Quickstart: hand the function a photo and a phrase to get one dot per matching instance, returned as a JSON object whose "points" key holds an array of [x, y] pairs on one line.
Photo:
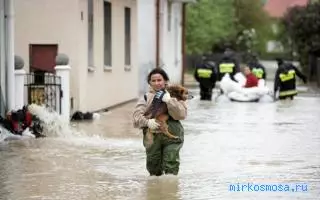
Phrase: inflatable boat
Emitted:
{"points": [[236, 91]]}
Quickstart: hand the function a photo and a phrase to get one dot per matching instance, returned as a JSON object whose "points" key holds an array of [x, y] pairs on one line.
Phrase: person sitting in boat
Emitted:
{"points": [[252, 80]]}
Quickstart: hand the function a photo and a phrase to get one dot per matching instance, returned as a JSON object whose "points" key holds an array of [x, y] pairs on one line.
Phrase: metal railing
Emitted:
{"points": [[43, 89]]}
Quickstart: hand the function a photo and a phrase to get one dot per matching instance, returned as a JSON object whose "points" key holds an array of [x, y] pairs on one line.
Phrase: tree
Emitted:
{"points": [[253, 25], [303, 28], [212, 22], [208, 22]]}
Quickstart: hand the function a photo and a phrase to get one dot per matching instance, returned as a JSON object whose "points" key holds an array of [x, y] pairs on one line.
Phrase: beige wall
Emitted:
{"points": [[59, 22], [52, 22], [109, 87]]}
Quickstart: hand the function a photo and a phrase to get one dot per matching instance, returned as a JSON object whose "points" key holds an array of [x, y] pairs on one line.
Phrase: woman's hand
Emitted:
{"points": [[162, 96], [166, 97], [152, 124]]}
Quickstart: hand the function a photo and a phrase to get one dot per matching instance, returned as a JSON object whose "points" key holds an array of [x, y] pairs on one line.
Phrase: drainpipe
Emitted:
{"points": [[2, 47], [3, 97], [183, 42], [9, 12], [157, 33]]}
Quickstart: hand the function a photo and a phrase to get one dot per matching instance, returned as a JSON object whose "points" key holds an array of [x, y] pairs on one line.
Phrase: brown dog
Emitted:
{"points": [[161, 116]]}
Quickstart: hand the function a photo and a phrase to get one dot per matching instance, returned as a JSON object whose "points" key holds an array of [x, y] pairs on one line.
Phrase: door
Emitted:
{"points": [[43, 57], [42, 88]]}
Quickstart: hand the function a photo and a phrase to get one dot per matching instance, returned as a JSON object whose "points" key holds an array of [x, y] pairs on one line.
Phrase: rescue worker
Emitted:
{"points": [[285, 80], [252, 80], [163, 154], [257, 68], [228, 64], [206, 74]]}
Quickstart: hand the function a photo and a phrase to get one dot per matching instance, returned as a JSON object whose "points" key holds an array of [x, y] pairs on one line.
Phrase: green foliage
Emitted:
{"points": [[250, 15], [303, 28], [303, 25], [212, 22], [208, 22]]}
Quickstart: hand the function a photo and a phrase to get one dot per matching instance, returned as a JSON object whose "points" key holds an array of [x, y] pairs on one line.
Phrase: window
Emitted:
{"points": [[169, 15], [90, 33], [107, 33], [127, 42]]}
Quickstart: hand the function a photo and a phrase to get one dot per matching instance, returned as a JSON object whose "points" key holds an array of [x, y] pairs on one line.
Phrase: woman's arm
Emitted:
{"points": [[177, 109], [139, 120]]}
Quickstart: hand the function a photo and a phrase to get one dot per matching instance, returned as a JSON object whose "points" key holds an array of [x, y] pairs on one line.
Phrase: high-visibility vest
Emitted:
{"points": [[226, 67], [258, 72], [204, 73], [288, 76]]}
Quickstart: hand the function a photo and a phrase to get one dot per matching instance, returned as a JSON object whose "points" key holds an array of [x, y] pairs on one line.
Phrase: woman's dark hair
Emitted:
{"points": [[158, 71]]}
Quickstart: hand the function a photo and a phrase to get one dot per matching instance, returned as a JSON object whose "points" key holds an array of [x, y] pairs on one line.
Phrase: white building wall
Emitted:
{"points": [[147, 41], [171, 40], [64, 22], [52, 22], [170, 36], [110, 85]]}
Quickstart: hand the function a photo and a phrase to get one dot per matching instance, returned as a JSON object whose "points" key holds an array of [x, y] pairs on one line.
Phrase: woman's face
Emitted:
{"points": [[157, 82]]}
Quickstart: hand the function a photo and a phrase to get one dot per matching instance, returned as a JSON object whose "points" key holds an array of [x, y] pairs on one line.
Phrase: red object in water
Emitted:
{"points": [[252, 81], [15, 126], [19, 126], [28, 119]]}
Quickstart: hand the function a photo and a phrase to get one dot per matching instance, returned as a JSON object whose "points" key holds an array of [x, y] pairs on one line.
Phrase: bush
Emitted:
{"points": [[303, 27]]}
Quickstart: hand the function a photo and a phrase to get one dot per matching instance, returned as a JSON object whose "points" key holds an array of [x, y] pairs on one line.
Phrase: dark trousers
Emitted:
{"points": [[205, 93]]}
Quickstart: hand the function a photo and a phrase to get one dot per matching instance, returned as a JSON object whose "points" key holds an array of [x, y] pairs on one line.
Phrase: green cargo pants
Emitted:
{"points": [[163, 154]]}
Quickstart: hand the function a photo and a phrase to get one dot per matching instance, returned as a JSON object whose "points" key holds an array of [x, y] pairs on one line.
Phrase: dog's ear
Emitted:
{"points": [[182, 90], [184, 93]]}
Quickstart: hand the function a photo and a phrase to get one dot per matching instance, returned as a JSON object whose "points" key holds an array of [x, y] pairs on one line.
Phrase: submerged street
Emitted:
{"points": [[225, 143]]}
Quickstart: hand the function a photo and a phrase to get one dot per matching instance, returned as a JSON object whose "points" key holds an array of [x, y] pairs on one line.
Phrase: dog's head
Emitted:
{"points": [[178, 92]]}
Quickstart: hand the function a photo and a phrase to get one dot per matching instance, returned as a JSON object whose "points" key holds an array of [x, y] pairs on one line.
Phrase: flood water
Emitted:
{"points": [[225, 143]]}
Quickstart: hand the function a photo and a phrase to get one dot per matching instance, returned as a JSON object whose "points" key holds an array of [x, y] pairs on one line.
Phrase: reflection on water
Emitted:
{"points": [[225, 143]]}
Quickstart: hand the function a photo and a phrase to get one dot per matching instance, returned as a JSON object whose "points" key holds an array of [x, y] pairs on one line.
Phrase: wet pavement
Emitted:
{"points": [[225, 143]]}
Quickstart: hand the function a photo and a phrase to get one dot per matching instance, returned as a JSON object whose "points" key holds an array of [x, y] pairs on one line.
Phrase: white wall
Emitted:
{"points": [[64, 22], [103, 87], [171, 40], [147, 41], [52, 22]]}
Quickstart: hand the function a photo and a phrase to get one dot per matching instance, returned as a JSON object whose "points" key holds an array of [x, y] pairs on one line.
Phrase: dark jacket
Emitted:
{"points": [[226, 65], [206, 74], [285, 79]]}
